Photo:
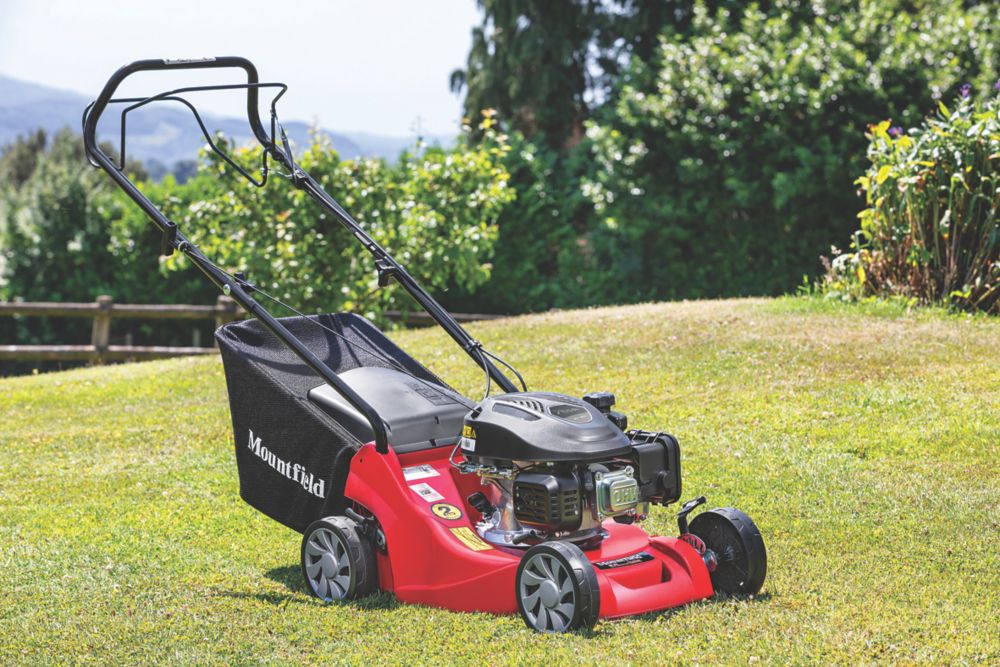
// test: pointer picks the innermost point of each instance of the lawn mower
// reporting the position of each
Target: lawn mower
(523, 501)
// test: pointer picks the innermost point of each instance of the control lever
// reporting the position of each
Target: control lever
(682, 516)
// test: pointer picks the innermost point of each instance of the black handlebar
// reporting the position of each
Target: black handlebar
(253, 112)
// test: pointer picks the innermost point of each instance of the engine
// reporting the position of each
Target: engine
(559, 466)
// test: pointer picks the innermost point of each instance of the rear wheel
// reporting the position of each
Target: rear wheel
(739, 548)
(337, 560)
(557, 589)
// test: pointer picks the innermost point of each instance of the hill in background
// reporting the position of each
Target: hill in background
(164, 132)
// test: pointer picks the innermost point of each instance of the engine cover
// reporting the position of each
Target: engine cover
(540, 427)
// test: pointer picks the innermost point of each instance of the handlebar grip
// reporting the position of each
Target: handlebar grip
(253, 113)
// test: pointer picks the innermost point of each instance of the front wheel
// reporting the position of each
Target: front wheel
(739, 549)
(337, 561)
(556, 588)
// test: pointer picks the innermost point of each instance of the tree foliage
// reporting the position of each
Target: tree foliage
(725, 166)
(545, 64)
(48, 227)
(535, 256)
(435, 210)
(19, 160)
(48, 232)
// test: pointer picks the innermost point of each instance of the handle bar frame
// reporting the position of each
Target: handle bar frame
(237, 287)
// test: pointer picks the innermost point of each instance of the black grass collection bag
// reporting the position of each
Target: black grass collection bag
(292, 457)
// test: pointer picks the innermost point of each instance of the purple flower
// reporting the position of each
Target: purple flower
(965, 90)
(895, 131)
(996, 86)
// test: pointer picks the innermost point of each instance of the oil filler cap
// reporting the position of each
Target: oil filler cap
(602, 400)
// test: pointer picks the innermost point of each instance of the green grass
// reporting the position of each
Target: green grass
(864, 441)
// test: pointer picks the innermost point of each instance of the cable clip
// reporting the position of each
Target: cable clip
(386, 272)
(473, 345)
(241, 279)
(169, 239)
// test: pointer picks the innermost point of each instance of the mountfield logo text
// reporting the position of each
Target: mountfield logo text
(293, 471)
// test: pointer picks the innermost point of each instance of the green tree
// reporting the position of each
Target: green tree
(536, 251)
(545, 67)
(52, 246)
(726, 164)
(52, 241)
(544, 64)
(19, 160)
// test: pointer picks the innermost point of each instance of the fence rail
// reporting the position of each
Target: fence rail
(92, 354)
(104, 310)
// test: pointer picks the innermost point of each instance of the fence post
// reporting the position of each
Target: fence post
(226, 311)
(100, 334)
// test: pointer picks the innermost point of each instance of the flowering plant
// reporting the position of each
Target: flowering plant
(930, 229)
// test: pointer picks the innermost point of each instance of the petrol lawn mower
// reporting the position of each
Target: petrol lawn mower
(524, 501)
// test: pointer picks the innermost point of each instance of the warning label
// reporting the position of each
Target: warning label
(469, 539)
(468, 439)
(419, 472)
(427, 492)
(446, 511)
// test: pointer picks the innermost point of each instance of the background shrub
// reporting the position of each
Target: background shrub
(435, 210)
(930, 230)
(726, 165)
(534, 265)
(68, 234)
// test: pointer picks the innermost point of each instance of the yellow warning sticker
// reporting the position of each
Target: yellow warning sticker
(468, 431)
(469, 538)
(446, 511)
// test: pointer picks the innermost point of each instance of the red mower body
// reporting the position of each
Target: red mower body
(435, 557)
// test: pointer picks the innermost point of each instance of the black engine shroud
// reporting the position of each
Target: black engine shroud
(540, 427)
(562, 448)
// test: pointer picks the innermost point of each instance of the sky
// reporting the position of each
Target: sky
(377, 66)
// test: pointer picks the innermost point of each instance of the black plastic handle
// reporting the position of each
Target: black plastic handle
(94, 115)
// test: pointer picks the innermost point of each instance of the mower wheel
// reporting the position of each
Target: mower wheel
(556, 588)
(739, 547)
(337, 560)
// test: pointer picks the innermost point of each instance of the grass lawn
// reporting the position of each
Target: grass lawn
(864, 441)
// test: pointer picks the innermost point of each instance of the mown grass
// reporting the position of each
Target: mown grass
(864, 442)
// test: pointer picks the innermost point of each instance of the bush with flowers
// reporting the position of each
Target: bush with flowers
(930, 231)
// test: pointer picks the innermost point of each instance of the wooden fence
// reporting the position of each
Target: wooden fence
(104, 310)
